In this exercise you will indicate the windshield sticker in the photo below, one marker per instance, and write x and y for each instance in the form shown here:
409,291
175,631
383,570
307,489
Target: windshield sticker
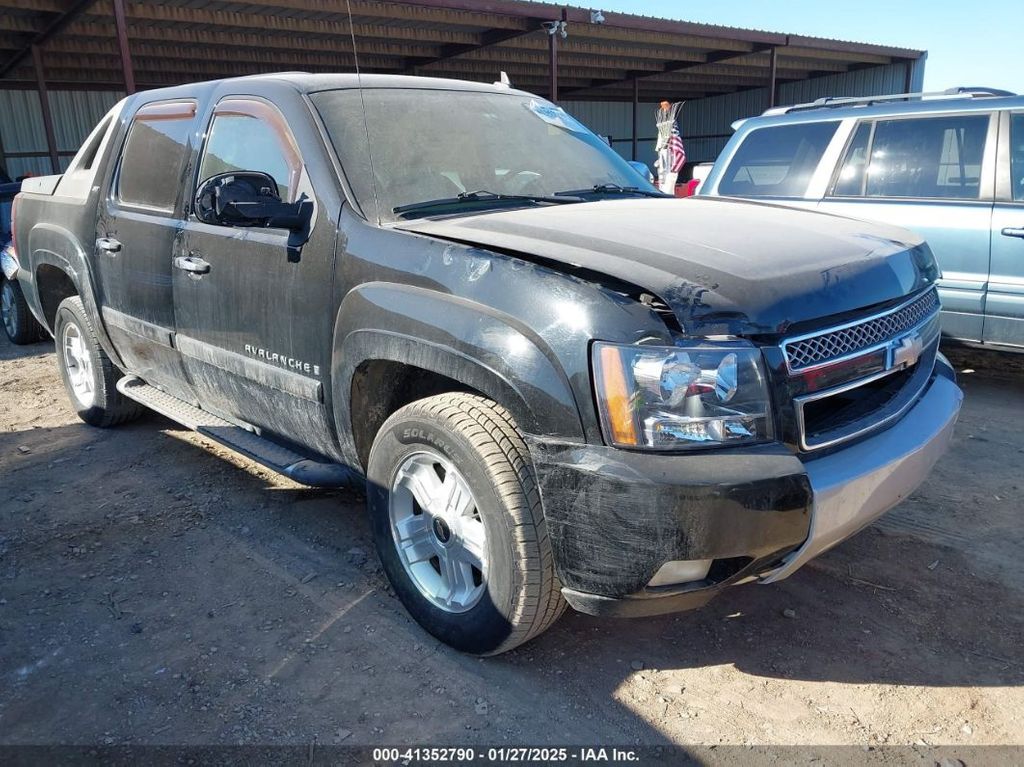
556,116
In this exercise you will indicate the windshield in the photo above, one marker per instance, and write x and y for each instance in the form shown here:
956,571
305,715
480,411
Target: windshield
429,145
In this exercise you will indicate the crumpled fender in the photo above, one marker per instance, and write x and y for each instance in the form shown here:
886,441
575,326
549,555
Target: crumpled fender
471,343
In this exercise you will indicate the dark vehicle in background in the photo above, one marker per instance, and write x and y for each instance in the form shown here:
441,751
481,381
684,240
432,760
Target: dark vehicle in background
949,166
19,324
559,385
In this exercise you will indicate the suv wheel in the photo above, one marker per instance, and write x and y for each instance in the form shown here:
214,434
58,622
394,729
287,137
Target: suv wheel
458,524
88,374
21,327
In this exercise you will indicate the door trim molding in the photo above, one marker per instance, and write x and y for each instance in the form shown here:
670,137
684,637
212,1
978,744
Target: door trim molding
157,334
255,370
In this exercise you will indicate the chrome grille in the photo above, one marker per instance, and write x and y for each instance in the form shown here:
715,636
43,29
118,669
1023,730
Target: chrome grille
808,351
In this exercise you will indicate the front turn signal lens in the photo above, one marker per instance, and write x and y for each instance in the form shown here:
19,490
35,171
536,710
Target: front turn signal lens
617,397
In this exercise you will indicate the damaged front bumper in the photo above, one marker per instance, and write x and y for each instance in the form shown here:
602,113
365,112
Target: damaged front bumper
855,486
616,517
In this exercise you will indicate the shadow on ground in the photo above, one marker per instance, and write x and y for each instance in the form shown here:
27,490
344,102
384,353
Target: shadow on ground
152,591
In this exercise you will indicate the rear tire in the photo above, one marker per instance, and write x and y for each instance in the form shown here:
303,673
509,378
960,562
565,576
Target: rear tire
89,376
19,324
451,477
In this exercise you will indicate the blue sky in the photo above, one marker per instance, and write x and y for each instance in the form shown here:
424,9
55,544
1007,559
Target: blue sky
969,42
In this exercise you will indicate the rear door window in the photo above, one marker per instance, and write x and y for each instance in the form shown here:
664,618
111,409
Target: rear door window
778,161
927,158
149,174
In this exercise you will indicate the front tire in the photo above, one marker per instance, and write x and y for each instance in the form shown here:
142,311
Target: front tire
457,520
19,324
89,376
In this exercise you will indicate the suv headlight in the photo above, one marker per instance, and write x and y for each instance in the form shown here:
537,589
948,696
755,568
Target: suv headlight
671,398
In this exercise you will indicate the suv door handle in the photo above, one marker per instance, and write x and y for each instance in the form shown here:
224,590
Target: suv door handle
108,245
1013,232
192,264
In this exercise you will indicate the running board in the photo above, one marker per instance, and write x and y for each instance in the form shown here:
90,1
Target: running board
281,459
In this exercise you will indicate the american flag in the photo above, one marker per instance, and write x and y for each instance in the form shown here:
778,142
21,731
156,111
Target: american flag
676,151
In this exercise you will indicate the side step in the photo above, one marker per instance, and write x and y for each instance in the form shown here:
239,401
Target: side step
281,459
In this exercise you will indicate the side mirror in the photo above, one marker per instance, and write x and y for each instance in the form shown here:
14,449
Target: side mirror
643,169
249,198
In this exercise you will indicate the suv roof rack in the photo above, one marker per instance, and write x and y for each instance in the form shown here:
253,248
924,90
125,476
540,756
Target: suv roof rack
834,102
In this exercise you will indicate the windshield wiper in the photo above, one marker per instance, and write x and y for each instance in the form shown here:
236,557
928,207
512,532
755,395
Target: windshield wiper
612,189
482,195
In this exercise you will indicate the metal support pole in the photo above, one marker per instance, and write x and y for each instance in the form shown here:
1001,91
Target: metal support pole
122,42
773,68
554,29
44,104
553,64
636,108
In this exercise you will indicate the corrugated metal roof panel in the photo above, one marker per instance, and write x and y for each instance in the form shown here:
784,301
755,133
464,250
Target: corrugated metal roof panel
424,22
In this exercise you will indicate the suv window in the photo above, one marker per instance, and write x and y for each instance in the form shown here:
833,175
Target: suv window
153,153
850,181
251,135
928,157
1017,156
778,161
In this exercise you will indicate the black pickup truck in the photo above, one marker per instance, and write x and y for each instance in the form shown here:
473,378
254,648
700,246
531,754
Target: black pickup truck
558,385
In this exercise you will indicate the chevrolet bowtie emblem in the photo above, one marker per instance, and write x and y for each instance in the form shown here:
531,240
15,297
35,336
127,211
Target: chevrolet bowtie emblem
906,351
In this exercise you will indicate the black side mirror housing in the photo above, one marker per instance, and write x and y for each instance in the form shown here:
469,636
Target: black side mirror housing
249,198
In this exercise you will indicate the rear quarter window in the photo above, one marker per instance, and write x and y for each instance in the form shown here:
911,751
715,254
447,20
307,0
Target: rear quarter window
933,157
149,173
777,161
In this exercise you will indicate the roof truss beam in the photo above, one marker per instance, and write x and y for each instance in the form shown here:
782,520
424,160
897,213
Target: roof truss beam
39,6
712,57
70,11
487,39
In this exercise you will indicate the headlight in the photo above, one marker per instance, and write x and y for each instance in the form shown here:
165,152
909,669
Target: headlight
668,398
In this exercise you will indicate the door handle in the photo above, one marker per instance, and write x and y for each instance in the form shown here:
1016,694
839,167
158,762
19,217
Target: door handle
108,245
192,264
1013,232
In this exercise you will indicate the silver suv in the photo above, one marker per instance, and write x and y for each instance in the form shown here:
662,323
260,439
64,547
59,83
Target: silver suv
948,165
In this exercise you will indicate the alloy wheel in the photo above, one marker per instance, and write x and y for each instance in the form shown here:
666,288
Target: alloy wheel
438,532
7,299
78,363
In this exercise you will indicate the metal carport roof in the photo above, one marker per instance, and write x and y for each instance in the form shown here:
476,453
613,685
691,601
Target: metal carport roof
128,45
173,42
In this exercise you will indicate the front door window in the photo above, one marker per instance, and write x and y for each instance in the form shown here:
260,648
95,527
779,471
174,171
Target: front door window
250,135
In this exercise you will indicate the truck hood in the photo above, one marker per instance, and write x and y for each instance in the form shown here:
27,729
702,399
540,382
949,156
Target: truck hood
722,266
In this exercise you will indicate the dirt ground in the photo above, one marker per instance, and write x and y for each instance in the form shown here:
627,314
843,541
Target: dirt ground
155,589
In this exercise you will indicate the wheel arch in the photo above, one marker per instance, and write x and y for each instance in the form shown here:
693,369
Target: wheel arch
53,285
396,343
60,269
